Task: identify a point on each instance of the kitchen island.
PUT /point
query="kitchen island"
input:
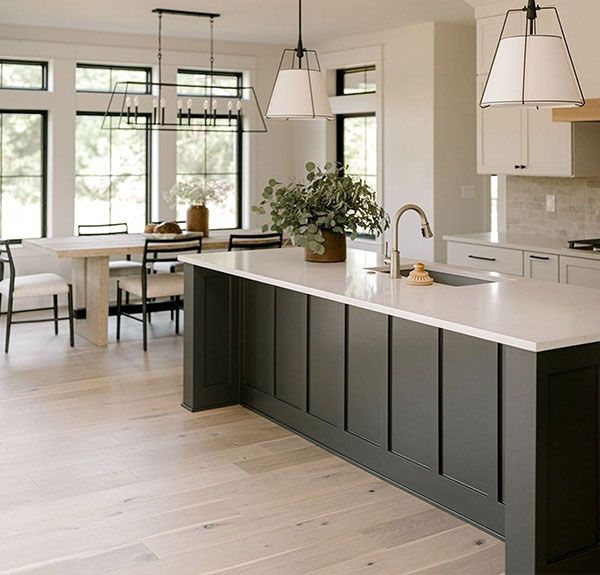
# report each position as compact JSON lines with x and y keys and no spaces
{"x":483,"y":399}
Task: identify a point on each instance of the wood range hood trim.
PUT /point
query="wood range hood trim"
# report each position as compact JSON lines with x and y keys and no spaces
{"x":588,"y":113}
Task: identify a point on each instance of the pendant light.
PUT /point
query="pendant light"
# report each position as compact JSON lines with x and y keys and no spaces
{"x":299,"y":92}
{"x":533,"y":69}
{"x":167,"y":106}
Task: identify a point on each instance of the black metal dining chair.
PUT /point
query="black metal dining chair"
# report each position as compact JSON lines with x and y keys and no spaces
{"x":152,"y":287}
{"x":255,"y":241}
{"x":28,"y":286}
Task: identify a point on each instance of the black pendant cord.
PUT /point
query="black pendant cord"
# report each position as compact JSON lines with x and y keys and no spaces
{"x":300,"y":50}
{"x":212,"y":70}
{"x":159,"y":56}
{"x":532,"y":10}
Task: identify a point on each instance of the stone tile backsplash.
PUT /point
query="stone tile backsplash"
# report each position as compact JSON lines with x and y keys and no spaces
{"x":577,"y":213}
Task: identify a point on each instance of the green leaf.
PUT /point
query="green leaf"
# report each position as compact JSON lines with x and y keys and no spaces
{"x":265,"y":228}
{"x":311,"y":167}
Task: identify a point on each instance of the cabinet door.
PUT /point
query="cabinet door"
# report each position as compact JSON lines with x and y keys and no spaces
{"x":580,"y":272}
{"x":488,"y":34}
{"x":542,"y":267}
{"x":499,"y":138}
{"x":547,"y":145}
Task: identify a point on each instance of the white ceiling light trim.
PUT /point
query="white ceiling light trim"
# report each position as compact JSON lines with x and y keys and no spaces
{"x":299,"y":92}
{"x":533,"y":69}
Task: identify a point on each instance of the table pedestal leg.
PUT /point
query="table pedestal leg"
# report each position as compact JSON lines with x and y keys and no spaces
{"x":90,"y":277}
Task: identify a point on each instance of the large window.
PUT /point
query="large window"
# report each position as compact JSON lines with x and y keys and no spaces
{"x":206,"y":158}
{"x":22,"y":174}
{"x":111,"y":173}
{"x":23,"y":75}
{"x":99,"y":78}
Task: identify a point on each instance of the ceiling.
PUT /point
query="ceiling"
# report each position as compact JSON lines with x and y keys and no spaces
{"x":265,"y":21}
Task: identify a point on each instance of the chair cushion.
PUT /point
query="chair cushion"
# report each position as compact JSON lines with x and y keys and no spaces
{"x":124,"y":268}
{"x":159,"y":285}
{"x":35,"y":285}
{"x":167,"y":267}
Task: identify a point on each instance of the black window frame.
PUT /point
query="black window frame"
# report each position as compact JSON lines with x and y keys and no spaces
{"x":44,"y":66}
{"x":237,"y":75}
{"x":239,"y":174}
{"x":339,"y":146}
{"x":148,"y":210}
{"x":44,"y":197}
{"x":88,"y":66}
{"x":341,"y":74}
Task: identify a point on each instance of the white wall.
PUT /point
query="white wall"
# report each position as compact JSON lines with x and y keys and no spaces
{"x":266,"y":155}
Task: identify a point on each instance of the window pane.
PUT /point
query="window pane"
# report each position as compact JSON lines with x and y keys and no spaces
{"x":111,"y":170}
{"x":359,"y":81}
{"x":22,"y":154}
{"x":21,"y":207}
{"x":21,"y":175}
{"x":203,"y":158}
{"x":103,"y":79}
{"x":223,"y":84}
{"x":22,"y":75}
{"x":360,"y":145}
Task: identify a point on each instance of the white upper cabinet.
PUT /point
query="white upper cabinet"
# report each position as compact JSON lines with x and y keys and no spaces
{"x":488,"y":33}
{"x":525,"y":141}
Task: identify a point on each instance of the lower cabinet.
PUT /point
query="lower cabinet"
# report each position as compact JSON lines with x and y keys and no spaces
{"x":541,"y":267}
{"x":486,"y":258}
{"x":580,"y":272}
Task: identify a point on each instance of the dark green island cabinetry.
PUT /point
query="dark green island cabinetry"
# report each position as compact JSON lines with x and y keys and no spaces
{"x":506,"y":438}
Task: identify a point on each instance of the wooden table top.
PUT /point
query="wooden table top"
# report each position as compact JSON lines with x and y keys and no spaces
{"x":113,"y":245}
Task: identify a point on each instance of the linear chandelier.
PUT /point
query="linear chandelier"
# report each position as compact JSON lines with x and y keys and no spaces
{"x":299,"y":92}
{"x":533,"y":69}
{"x":173,"y":106}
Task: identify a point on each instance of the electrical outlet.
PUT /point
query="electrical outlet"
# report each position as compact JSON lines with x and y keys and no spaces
{"x":468,"y":192}
{"x":551,"y":203}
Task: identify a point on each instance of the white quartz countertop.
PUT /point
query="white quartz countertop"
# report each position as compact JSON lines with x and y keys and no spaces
{"x":526,"y":314}
{"x":525,"y":242}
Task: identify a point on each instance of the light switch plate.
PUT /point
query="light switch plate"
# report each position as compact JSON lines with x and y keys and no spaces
{"x":550,"y":203}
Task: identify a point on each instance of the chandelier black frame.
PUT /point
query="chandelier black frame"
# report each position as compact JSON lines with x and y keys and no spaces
{"x":217,"y":110}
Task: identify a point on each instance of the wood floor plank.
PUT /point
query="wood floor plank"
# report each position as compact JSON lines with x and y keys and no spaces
{"x":103,"y":473}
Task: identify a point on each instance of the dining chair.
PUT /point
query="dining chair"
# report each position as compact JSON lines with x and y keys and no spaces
{"x":117,"y":268}
{"x":151,"y":287}
{"x":167,"y":267}
{"x":255,"y":241}
{"x":28,"y":286}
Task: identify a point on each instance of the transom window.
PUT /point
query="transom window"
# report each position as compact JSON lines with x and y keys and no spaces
{"x":225,"y":83}
{"x":22,"y":174}
{"x":99,"y":78}
{"x":205,"y":158}
{"x":111,"y":173}
{"x":23,"y":75}
{"x":351,"y":81}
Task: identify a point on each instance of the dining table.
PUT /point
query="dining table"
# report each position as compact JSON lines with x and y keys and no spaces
{"x":90,"y":272}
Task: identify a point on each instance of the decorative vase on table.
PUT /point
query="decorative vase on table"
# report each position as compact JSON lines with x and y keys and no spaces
{"x":197,"y":219}
{"x":335,"y":249}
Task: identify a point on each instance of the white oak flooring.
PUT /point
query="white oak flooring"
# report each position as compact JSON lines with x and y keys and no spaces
{"x":102,"y":472}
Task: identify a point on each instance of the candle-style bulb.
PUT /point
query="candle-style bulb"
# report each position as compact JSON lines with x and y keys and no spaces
{"x":128,"y":102}
{"x":155,"y":103}
{"x":189,"y":103}
{"x":239,"y":105}
{"x":230,"y":105}
{"x":179,"y":104}
{"x":162,"y":102}
{"x":136,"y":101}
{"x":206,"y":104}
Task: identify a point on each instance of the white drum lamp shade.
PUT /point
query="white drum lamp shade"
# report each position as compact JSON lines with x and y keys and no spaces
{"x":299,"y":94}
{"x":533,"y":70}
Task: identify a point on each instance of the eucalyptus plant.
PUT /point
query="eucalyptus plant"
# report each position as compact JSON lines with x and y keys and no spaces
{"x":328,"y":200}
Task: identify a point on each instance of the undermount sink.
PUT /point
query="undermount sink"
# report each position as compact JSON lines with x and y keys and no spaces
{"x":443,"y":278}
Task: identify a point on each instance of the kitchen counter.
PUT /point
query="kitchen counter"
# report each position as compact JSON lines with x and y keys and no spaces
{"x":526,"y":314}
{"x":524,"y":242}
{"x":483,"y":399}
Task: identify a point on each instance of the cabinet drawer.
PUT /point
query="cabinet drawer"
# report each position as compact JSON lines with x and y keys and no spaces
{"x":580,"y":272}
{"x":540,"y":266}
{"x":486,"y":258}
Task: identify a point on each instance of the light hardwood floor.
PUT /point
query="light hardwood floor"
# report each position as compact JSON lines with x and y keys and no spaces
{"x":102,"y":472}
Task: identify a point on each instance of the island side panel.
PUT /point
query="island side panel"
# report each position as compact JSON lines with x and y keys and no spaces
{"x":552,"y":463}
{"x":326,"y":340}
{"x":211,"y":339}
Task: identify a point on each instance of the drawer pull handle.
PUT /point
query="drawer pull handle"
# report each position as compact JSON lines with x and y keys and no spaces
{"x":483,"y":259}
{"x":544,"y":259}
